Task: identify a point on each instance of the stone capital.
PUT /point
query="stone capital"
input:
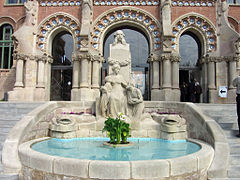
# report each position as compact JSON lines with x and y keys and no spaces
{"x":19,"y":56}
{"x":154,"y":57}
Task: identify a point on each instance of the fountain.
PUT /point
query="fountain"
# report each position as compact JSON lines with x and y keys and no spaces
{"x":77,"y":148}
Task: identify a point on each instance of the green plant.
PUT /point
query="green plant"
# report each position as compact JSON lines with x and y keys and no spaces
{"x":117,"y":129}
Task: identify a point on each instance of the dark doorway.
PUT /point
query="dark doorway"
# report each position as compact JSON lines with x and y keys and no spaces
{"x":189,"y":70}
{"x":61,"y":71}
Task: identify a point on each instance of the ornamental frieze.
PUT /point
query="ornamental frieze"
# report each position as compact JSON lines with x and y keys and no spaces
{"x":196,"y":23}
{"x":54,"y":3}
{"x":126,"y":2}
{"x":58,"y":20}
{"x":133,"y":16}
{"x":193,"y":3}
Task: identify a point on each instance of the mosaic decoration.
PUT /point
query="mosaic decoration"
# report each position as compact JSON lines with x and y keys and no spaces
{"x":131,"y":16}
{"x":126,"y":2}
{"x":56,"y":21}
{"x":60,"y":3}
{"x":199,"y":23}
{"x":197,"y":3}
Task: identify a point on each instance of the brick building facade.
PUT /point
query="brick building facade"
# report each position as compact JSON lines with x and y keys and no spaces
{"x":35,"y":36}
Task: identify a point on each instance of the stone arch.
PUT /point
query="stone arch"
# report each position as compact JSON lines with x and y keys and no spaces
{"x":128,"y":16}
{"x":198,"y":25}
{"x":8,"y":20}
{"x":54,"y":24}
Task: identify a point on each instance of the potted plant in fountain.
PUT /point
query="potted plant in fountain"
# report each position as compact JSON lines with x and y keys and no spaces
{"x":118,"y":130}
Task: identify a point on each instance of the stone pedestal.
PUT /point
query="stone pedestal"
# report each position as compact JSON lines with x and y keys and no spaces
{"x":165,"y":95}
{"x":119,"y":52}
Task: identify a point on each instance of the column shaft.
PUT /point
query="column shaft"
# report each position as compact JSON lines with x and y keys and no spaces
{"x":84,"y":73}
{"x":76,"y":68}
{"x":232,"y":73}
{"x":155,"y":84}
{"x":95,"y":75}
{"x":166,"y":74}
{"x":175,"y":75}
{"x":19,"y":73}
{"x":40,"y":78}
{"x":211,"y":75}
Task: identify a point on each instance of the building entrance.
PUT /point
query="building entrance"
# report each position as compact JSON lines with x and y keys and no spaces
{"x":61,"y":71}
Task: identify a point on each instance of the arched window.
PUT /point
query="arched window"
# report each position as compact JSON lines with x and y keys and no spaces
{"x":6,"y":46}
{"x":233,"y":1}
{"x":15,"y":1}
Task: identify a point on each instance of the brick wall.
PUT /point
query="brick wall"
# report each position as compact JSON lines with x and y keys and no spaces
{"x":7,"y":80}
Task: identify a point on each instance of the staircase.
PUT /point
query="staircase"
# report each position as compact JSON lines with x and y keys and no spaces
{"x":10,"y":114}
{"x":226,"y":116}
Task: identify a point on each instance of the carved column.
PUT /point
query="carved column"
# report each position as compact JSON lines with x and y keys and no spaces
{"x":41,"y":71}
{"x":211,"y":73}
{"x":76,"y":72}
{"x":155,"y":71}
{"x":166,"y":72}
{"x":84,"y":71}
{"x":19,"y":70}
{"x":96,"y":72}
{"x":232,"y":71}
{"x":175,"y":72}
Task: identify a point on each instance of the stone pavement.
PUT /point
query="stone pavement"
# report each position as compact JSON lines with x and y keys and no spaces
{"x":10,"y":113}
{"x":225,"y":115}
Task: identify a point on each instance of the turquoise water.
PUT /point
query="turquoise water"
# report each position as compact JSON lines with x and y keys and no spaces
{"x":93,"y":149}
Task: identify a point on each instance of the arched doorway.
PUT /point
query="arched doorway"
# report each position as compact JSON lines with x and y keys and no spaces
{"x":61,"y":71}
{"x":139,"y":47}
{"x":190,"y":50}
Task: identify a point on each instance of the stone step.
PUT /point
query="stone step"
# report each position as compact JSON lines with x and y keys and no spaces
{"x":234,"y":150}
{"x":235,"y":160}
{"x":8,"y":177}
{"x":225,"y":119}
{"x":229,"y":126}
{"x":234,"y":172}
{"x":7,"y":124}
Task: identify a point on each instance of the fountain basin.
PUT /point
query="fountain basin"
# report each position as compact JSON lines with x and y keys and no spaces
{"x":37,"y":164}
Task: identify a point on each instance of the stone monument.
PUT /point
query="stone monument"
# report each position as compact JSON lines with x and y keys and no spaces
{"x":119,"y":94}
{"x":119,"y":52}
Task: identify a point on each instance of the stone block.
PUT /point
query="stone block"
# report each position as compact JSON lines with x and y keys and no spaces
{"x":139,"y":133}
{"x":153,"y":133}
{"x":83,"y":133}
{"x":182,"y":165}
{"x":41,"y":162}
{"x":71,"y":167}
{"x":91,"y":125}
{"x":150,"y":169}
{"x":109,"y":169}
{"x":94,"y":133}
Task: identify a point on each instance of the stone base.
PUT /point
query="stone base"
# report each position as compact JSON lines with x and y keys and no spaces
{"x":215,"y":98}
{"x":173,"y":136}
{"x":165,"y":95}
{"x":83,"y":94}
{"x":27,"y":94}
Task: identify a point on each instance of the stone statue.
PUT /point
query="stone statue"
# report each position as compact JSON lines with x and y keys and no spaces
{"x":113,"y":99}
{"x":135,"y":102}
{"x":24,"y":37}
